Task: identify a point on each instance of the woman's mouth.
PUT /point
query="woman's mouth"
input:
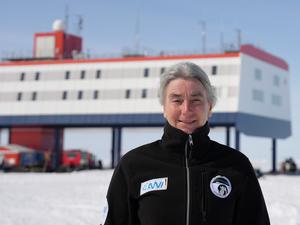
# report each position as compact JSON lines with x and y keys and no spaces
{"x":188,"y":122}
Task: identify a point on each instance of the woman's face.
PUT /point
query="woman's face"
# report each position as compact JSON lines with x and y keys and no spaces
{"x":186,"y":105}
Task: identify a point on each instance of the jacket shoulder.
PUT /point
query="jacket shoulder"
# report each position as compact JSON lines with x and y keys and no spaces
{"x":225,"y":155}
{"x":138,"y":152}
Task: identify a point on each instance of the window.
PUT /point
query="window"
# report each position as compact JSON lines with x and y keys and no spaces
{"x":146,"y":72}
{"x":144,"y":93}
{"x":214,"y":70}
{"x":82,"y":75}
{"x":127,"y":94}
{"x":257,"y":74}
{"x":64,"y":96}
{"x":232,"y":91}
{"x":37,"y":75}
{"x":96,"y":94}
{"x":276,"y":81}
{"x":218,"y":91}
{"x":33,"y":96}
{"x":80,"y":95}
{"x":22,"y":77}
{"x":67,"y":75}
{"x":258,"y":95}
{"x":19,"y":96}
{"x":98,"y":74}
{"x":276,"y":100}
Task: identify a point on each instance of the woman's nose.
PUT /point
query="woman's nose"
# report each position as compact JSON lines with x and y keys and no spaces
{"x":186,"y":106}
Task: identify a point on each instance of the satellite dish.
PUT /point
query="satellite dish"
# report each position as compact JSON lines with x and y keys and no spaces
{"x":58,"y":25}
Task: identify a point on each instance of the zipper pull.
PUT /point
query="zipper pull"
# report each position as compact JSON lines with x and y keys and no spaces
{"x":204,"y":217}
{"x":203,"y":177}
{"x":191,"y":140}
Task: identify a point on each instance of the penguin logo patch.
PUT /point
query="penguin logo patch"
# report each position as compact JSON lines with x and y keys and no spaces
{"x":220,"y":186}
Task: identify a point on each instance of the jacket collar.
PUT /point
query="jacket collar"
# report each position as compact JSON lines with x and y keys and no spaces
{"x":174,"y":140}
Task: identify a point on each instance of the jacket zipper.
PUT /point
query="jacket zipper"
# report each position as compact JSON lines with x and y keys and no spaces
{"x":188,"y":145}
{"x":203,"y":198}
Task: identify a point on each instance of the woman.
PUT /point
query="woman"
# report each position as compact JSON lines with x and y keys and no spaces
{"x":185,"y":178}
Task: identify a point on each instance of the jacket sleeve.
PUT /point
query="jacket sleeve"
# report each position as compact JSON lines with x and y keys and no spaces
{"x":251,"y":208}
{"x":121,"y":207}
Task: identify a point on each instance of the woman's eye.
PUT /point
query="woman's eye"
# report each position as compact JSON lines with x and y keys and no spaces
{"x":177,"y":100}
{"x":197,"y":100}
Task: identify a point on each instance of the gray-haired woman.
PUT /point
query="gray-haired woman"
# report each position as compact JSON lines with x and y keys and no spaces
{"x":185,"y":178}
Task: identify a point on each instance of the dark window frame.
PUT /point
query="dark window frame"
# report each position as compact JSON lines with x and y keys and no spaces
{"x":127,"y":93}
{"x":82,"y":74}
{"x":34,"y":96}
{"x":98,"y":74}
{"x":64,"y":95}
{"x":80,"y":95}
{"x":276,"y":80}
{"x":144,"y":93}
{"x":258,"y":74}
{"x":214,"y":70}
{"x":22,"y":76}
{"x":19,"y":96}
{"x":96,"y":94}
{"x":67,"y":75}
{"x":37,"y":76}
{"x":146,"y":72}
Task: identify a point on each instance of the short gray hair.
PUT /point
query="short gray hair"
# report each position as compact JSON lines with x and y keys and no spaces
{"x":187,"y":71}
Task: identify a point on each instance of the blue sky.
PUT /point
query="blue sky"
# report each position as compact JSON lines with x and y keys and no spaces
{"x":110,"y":27}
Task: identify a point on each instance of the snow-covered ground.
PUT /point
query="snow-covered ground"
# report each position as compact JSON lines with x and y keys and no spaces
{"x":77,"y":198}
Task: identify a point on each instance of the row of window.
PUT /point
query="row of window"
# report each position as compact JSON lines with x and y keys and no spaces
{"x":227,"y":92}
{"x":66,"y":77}
{"x":259,"y":96}
{"x":79,"y":95}
{"x":259,"y":77}
{"x":108,"y":73}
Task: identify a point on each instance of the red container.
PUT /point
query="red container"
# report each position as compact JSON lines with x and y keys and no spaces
{"x":77,"y":159}
{"x":11,"y":160}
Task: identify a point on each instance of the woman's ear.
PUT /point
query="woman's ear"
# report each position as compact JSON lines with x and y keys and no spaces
{"x":210,"y":110}
{"x":164,"y":112}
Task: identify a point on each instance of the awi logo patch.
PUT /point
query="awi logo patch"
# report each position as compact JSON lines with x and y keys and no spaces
{"x":154,"y":185}
{"x":220,"y":186}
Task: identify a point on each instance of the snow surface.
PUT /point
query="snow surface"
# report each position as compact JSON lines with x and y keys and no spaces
{"x":77,"y":198}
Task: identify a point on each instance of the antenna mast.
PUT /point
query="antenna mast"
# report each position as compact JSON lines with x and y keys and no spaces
{"x":203,"y":34}
{"x":80,"y":24}
{"x":66,"y":18}
{"x":137,"y":32}
{"x":222,"y":42}
{"x":239,"y":38}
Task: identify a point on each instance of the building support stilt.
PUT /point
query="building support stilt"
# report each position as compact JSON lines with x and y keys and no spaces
{"x":274,"y":170}
{"x":116,"y":146}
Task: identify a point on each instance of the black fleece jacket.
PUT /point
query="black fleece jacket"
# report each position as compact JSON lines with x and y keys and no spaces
{"x":185,"y":180}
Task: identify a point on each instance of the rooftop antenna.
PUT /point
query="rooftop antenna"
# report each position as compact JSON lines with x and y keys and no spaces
{"x":79,"y":24}
{"x":222,"y":41}
{"x":66,"y":18}
{"x":239,"y":38}
{"x":203,"y":35}
{"x":222,"y":37}
{"x":137,"y":32}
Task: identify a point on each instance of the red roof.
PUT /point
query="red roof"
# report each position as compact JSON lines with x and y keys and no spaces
{"x":123,"y":59}
{"x":245,"y":49}
{"x":264,"y":56}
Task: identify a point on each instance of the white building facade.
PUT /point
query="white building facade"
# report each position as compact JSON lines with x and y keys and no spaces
{"x":252,"y":89}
